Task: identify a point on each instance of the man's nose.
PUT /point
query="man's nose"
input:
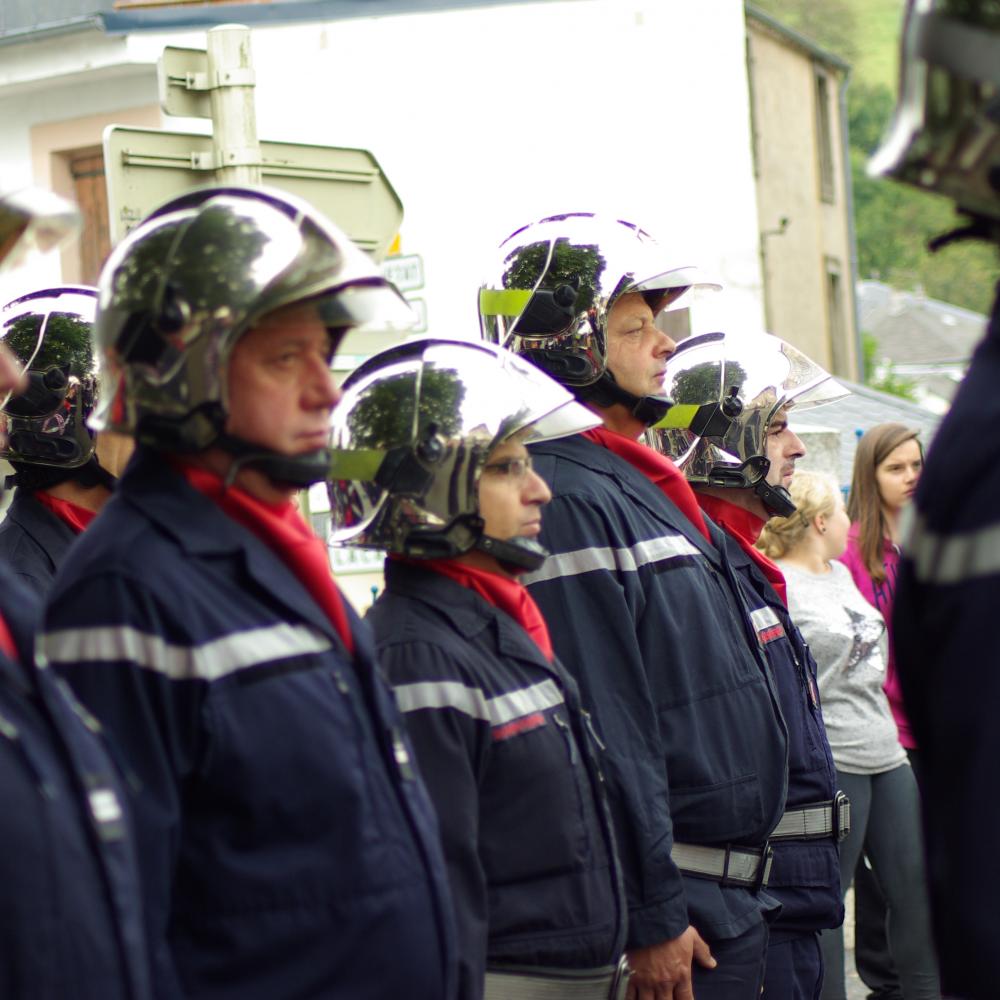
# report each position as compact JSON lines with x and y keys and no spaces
{"x":324,"y":390}
{"x":798,"y":448}
{"x":536,"y":490}
{"x":665,"y":345}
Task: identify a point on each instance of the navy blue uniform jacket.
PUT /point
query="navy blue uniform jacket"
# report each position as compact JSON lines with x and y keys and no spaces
{"x":34,"y":542}
{"x":805,"y":874}
{"x":287,"y":849}
{"x":946,"y":612}
{"x":651,"y":621}
{"x":71,"y":924}
{"x":501,"y":742}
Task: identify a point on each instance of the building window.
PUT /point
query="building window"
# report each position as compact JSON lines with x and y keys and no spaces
{"x":836,"y":328}
{"x":90,"y":190}
{"x":824,"y":136}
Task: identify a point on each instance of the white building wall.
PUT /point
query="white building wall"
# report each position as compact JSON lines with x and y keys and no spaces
{"x":482,"y":120}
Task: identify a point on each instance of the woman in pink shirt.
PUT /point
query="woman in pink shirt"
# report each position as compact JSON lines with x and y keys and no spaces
{"x":887,"y":465}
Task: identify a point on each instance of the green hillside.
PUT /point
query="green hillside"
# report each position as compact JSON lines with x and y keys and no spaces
{"x":893,"y":222}
{"x":863,"y":32}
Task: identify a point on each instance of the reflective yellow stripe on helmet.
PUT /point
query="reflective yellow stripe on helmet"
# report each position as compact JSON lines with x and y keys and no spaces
{"x":358,"y":464}
{"x":503,"y":301}
{"x":679,"y":415}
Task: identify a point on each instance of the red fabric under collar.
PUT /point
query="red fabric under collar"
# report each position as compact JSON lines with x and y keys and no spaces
{"x":7,"y":645}
{"x":745,"y":527}
{"x":71,"y":514}
{"x":657,"y":468}
{"x":502,"y":592}
{"x":282,"y":528}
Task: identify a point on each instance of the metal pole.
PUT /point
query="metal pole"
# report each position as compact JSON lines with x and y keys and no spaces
{"x":234,"y":117}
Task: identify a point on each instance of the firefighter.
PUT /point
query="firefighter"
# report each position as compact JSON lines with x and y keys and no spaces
{"x":500,"y":735}
{"x":943,"y":138}
{"x":70,"y":909}
{"x":646,"y":611}
{"x":287,"y":847}
{"x":61,"y":483}
{"x":740,"y":463}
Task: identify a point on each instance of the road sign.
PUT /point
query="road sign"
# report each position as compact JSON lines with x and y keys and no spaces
{"x":405,"y":272}
{"x":146,"y":167}
{"x":183,"y":79}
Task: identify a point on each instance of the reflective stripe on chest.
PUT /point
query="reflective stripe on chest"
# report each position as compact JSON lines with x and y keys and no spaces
{"x":508,"y":714}
{"x":766,"y":625}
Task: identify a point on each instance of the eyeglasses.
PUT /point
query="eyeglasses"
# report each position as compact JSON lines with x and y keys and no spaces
{"x":515,"y":468}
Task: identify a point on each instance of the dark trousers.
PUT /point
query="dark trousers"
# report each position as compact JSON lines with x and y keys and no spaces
{"x":740,"y":972}
{"x":794,"y":969}
{"x":885,"y":820}
{"x":872,"y":957}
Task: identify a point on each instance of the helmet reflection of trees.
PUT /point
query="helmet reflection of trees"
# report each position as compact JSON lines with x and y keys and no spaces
{"x":216,"y":271}
{"x":571,"y":264}
{"x":700,"y":384}
{"x":67,"y":343}
{"x":384,"y":417}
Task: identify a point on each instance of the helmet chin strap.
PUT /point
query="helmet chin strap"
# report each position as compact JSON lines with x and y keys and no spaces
{"x":777,"y":500}
{"x":515,"y":555}
{"x":752,"y":475}
{"x":607,"y":392}
{"x":298,"y":471}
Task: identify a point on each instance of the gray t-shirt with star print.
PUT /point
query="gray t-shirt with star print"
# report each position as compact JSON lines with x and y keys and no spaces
{"x":847,"y":638}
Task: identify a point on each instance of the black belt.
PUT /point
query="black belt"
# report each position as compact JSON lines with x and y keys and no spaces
{"x":730,"y":865}
{"x":531,"y":983}
{"x":816,"y":821}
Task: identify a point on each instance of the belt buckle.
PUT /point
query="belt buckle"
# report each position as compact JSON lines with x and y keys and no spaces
{"x":841,"y":816}
{"x":619,"y":982}
{"x":764,"y":872}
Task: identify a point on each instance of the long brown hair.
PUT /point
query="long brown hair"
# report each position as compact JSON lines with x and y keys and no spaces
{"x":864,"y":506}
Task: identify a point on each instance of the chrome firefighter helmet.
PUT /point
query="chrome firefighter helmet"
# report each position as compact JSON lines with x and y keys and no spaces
{"x":943,"y":136}
{"x":49,"y":333}
{"x":181,"y":289}
{"x":33,"y":218}
{"x":726,"y":390}
{"x":412,"y":434}
{"x":553,"y":286}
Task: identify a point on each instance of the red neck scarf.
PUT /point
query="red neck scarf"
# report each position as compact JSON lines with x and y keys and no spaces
{"x":508,"y":595}
{"x":657,"y":468}
{"x":71,"y":514}
{"x":281,"y":528}
{"x":7,"y":646}
{"x":745,"y":527}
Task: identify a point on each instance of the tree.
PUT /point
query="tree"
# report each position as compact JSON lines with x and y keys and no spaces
{"x":883,"y":377}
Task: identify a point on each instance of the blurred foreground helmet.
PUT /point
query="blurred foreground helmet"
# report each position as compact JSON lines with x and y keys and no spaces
{"x":945,"y":132}
{"x":412,"y":433}
{"x":34,"y":219}
{"x":554,"y":284}
{"x":49,"y":332}
{"x":181,"y":289}
{"x":726,"y":390}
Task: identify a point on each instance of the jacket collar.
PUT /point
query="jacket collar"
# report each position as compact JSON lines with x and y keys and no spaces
{"x":51,"y":534}
{"x":201,"y":529}
{"x":628,"y":479}
{"x":467,"y":613}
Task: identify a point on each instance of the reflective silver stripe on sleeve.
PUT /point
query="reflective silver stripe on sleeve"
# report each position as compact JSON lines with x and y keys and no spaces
{"x":208,"y":661}
{"x":949,"y":559}
{"x":471,"y":701}
{"x":624,"y":560}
